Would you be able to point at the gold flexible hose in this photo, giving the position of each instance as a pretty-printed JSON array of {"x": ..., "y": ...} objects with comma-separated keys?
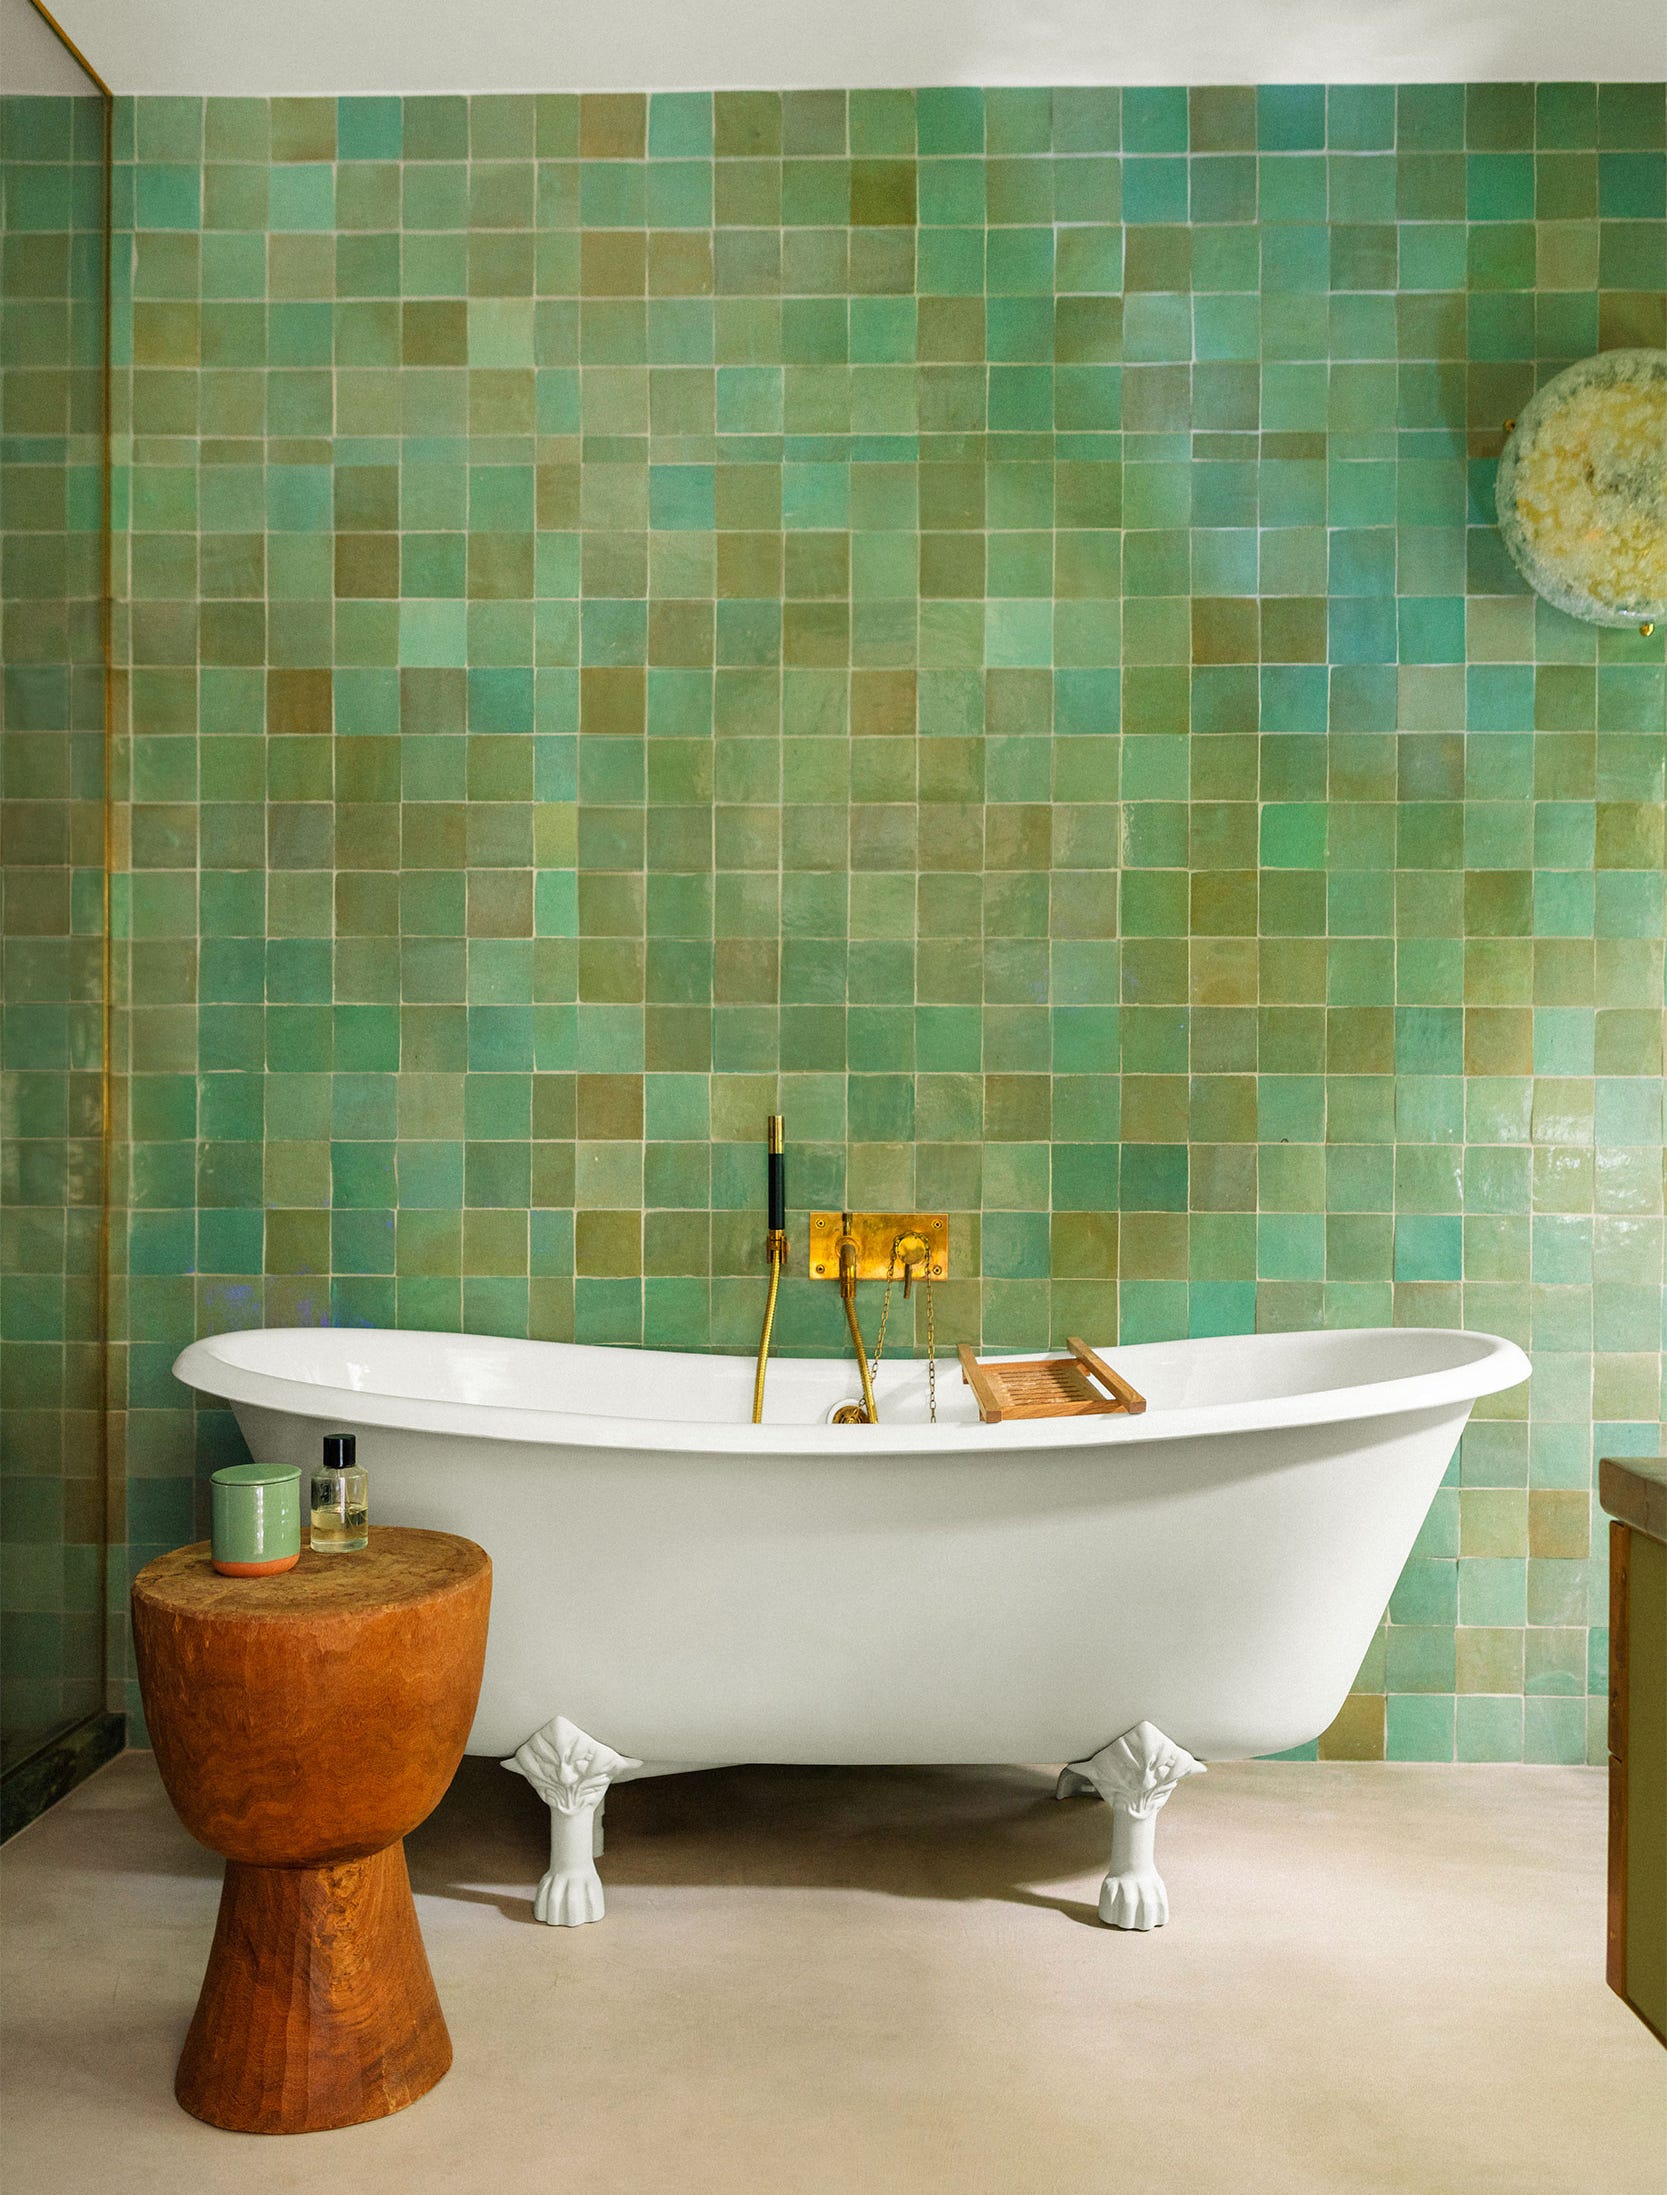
[
  {"x": 848, "y": 1296},
  {"x": 776, "y": 1251}
]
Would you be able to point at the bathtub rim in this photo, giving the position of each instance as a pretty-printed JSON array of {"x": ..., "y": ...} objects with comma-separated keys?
[{"x": 1499, "y": 1365}]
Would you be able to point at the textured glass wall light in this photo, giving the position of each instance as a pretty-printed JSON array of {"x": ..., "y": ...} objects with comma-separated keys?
[{"x": 1583, "y": 490}]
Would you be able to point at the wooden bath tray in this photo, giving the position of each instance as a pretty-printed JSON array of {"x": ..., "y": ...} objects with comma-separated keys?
[{"x": 1048, "y": 1387}]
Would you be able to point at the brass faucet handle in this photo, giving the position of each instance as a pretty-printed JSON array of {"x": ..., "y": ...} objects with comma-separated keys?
[{"x": 911, "y": 1251}]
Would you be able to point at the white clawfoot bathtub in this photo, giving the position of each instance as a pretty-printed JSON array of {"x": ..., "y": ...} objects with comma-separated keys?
[{"x": 1119, "y": 1593}]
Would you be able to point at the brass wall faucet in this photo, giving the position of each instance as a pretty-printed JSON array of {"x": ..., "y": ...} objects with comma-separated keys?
[{"x": 886, "y": 1246}]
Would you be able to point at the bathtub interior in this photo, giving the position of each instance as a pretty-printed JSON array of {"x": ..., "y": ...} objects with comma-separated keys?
[{"x": 685, "y": 1388}]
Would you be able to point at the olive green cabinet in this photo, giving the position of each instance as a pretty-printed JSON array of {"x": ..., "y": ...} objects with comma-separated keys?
[{"x": 1635, "y": 1494}]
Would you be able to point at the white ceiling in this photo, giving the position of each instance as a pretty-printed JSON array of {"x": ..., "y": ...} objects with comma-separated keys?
[{"x": 321, "y": 46}]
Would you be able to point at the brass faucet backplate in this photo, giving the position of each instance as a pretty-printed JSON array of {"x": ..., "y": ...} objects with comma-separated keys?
[{"x": 877, "y": 1236}]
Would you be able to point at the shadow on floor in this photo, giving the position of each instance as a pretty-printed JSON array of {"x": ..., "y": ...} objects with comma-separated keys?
[{"x": 948, "y": 1833}]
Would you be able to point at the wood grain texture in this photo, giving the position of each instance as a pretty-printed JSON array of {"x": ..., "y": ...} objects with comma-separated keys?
[
  {"x": 1131, "y": 1399},
  {"x": 303, "y": 1726},
  {"x": 1045, "y": 1387},
  {"x": 319, "y": 1715},
  {"x": 318, "y": 2008}
]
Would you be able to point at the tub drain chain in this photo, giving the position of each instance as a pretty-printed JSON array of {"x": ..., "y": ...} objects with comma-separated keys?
[
  {"x": 931, "y": 1353},
  {"x": 931, "y": 1324},
  {"x": 885, "y": 1313}
]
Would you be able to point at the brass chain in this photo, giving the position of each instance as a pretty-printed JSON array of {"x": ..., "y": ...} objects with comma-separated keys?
[
  {"x": 931, "y": 1330},
  {"x": 931, "y": 1353},
  {"x": 885, "y": 1313}
]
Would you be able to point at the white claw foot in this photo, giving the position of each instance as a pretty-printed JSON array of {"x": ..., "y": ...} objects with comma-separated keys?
[
  {"x": 1134, "y": 1900},
  {"x": 567, "y": 1897},
  {"x": 1134, "y": 1775},
  {"x": 571, "y": 1774}
]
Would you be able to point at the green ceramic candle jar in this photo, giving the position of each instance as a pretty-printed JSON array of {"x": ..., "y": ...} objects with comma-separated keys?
[{"x": 257, "y": 1519}]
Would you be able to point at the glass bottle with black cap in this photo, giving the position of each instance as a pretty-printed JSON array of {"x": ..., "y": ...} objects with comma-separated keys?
[{"x": 340, "y": 1500}]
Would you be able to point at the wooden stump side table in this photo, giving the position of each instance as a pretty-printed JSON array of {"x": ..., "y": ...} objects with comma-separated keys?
[{"x": 304, "y": 1724}]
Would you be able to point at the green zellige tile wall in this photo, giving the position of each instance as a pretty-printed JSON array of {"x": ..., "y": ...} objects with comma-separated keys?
[
  {"x": 971, "y": 617},
  {"x": 52, "y": 1511}
]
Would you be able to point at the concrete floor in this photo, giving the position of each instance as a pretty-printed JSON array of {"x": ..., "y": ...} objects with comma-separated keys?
[{"x": 1377, "y": 1981}]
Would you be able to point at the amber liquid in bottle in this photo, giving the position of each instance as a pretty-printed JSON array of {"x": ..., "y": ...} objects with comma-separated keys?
[{"x": 340, "y": 1500}]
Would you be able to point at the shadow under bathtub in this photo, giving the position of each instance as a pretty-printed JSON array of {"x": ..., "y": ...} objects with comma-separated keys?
[{"x": 946, "y": 1833}]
